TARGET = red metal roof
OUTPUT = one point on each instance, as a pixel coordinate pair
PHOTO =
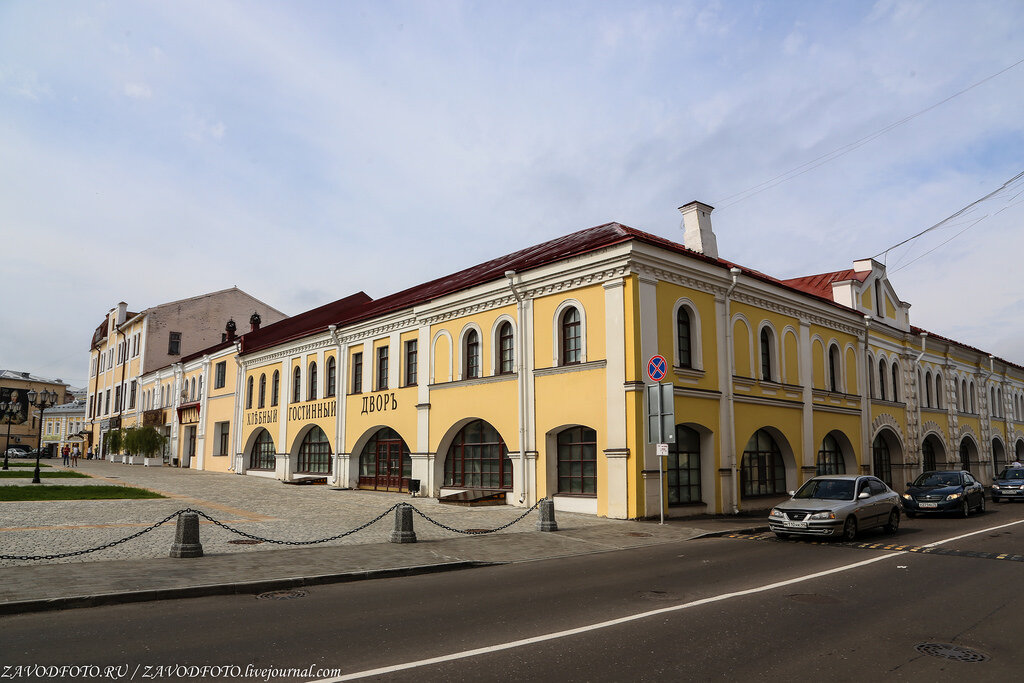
(303, 324)
(360, 307)
(821, 285)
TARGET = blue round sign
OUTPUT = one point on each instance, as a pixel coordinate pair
(657, 368)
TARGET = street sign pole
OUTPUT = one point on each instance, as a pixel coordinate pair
(661, 420)
(662, 450)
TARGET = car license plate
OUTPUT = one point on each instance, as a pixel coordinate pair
(795, 525)
(1010, 493)
(929, 505)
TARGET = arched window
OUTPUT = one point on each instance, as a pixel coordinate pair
(993, 406)
(262, 456)
(385, 463)
(928, 389)
(938, 390)
(296, 385)
(974, 408)
(571, 336)
(882, 460)
(830, 458)
(871, 378)
(314, 453)
(683, 473)
(332, 376)
(478, 458)
(248, 393)
(275, 388)
(683, 337)
(199, 389)
(928, 455)
(506, 349)
(965, 454)
(956, 394)
(766, 354)
(881, 379)
(263, 390)
(997, 456)
(965, 403)
(312, 395)
(895, 381)
(762, 471)
(833, 368)
(471, 355)
(577, 461)
(999, 402)
(192, 390)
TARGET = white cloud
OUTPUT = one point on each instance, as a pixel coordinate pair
(138, 91)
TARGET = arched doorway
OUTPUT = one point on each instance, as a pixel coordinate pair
(763, 468)
(384, 462)
(998, 456)
(262, 455)
(835, 455)
(478, 459)
(968, 453)
(887, 459)
(933, 454)
(314, 453)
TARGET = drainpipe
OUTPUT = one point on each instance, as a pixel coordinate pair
(730, 404)
(521, 372)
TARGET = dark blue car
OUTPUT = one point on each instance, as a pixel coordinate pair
(944, 491)
(1008, 485)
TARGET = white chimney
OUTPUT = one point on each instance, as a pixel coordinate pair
(122, 312)
(697, 232)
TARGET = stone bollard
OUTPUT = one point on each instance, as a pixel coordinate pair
(403, 532)
(546, 522)
(186, 536)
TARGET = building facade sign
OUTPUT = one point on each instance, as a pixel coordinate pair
(314, 410)
(260, 417)
(154, 418)
(379, 403)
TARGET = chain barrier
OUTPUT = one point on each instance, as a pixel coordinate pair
(271, 540)
(468, 532)
(476, 532)
(92, 550)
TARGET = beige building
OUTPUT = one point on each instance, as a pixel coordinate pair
(64, 425)
(127, 345)
(24, 422)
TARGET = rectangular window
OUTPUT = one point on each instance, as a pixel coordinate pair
(223, 442)
(411, 359)
(131, 396)
(117, 397)
(106, 405)
(357, 373)
(174, 344)
(382, 368)
(220, 375)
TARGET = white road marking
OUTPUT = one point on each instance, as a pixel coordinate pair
(634, 617)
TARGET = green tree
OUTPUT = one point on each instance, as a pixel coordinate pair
(115, 441)
(148, 441)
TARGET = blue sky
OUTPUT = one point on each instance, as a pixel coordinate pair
(302, 151)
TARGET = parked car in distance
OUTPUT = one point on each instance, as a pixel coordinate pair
(944, 491)
(17, 451)
(837, 506)
(1008, 485)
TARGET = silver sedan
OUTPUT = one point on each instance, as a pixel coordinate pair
(837, 505)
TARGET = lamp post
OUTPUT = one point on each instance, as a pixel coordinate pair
(8, 409)
(46, 399)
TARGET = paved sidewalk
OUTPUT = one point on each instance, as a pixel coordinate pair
(140, 569)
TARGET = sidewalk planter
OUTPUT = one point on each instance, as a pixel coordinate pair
(153, 462)
(135, 459)
(124, 459)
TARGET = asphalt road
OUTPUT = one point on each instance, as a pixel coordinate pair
(891, 616)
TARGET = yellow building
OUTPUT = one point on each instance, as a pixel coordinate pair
(525, 377)
(64, 425)
(19, 420)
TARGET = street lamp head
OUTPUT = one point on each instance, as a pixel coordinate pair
(32, 395)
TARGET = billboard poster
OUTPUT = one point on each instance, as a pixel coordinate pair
(15, 395)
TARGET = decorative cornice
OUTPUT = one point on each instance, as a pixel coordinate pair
(578, 367)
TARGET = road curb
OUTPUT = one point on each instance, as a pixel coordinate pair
(237, 588)
(748, 530)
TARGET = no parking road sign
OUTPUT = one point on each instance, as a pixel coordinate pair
(657, 368)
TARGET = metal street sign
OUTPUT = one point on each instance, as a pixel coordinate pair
(657, 368)
(661, 449)
(661, 413)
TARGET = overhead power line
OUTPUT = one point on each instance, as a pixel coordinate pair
(845, 149)
(1013, 184)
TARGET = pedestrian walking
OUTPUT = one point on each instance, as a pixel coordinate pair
(88, 453)
(66, 452)
(74, 456)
